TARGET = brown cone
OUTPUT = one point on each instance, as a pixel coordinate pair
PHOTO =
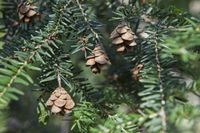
(27, 12)
(95, 69)
(60, 102)
(136, 71)
(90, 61)
(97, 60)
(123, 38)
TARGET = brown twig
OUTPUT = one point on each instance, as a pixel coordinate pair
(162, 109)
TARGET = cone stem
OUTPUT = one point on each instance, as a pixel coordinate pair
(59, 80)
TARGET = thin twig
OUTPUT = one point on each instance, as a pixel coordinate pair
(59, 79)
(162, 109)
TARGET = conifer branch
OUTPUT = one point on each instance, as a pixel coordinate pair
(18, 72)
(98, 41)
(24, 64)
(162, 109)
(33, 53)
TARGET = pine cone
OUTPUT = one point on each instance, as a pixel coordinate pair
(97, 60)
(27, 12)
(135, 72)
(123, 38)
(60, 102)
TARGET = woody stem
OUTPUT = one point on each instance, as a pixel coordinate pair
(59, 80)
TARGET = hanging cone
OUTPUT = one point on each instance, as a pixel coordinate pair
(31, 13)
(23, 8)
(121, 49)
(132, 44)
(121, 30)
(123, 38)
(53, 97)
(95, 69)
(127, 36)
(49, 103)
(90, 61)
(101, 59)
(114, 34)
(55, 109)
(64, 96)
(60, 101)
(27, 12)
(70, 104)
(97, 60)
(117, 40)
(135, 72)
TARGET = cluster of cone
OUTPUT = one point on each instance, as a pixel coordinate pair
(97, 60)
(27, 12)
(60, 102)
(123, 38)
